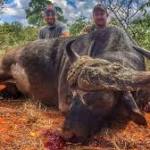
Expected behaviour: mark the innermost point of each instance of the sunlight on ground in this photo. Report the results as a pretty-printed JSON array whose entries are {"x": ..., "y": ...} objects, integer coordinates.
[{"x": 22, "y": 125}]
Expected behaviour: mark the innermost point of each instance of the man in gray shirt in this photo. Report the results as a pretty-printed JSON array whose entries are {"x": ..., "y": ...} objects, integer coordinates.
[{"x": 53, "y": 29}]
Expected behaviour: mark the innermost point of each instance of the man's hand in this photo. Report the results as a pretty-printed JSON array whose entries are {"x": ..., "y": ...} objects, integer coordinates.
[{"x": 65, "y": 34}]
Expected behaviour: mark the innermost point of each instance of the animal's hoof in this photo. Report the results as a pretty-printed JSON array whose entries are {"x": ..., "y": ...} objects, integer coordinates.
[{"x": 147, "y": 108}]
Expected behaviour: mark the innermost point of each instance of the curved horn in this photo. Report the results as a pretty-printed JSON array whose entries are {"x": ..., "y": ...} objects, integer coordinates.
[
  {"x": 143, "y": 51},
  {"x": 73, "y": 56},
  {"x": 97, "y": 78},
  {"x": 133, "y": 108},
  {"x": 91, "y": 48}
]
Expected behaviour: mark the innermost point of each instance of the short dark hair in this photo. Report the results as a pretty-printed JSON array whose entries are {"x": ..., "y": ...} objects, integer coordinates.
[{"x": 100, "y": 7}]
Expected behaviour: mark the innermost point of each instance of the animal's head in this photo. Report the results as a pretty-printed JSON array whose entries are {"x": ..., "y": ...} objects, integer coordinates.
[{"x": 97, "y": 86}]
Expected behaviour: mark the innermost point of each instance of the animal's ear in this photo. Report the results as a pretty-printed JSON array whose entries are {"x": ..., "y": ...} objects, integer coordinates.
[
  {"x": 133, "y": 108},
  {"x": 73, "y": 56}
]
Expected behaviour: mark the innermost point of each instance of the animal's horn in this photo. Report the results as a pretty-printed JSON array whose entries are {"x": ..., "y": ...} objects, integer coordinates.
[
  {"x": 143, "y": 51},
  {"x": 91, "y": 48},
  {"x": 133, "y": 109},
  {"x": 122, "y": 79},
  {"x": 73, "y": 56}
]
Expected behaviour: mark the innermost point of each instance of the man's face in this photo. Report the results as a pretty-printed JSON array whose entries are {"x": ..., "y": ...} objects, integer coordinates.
[
  {"x": 50, "y": 19},
  {"x": 100, "y": 18}
]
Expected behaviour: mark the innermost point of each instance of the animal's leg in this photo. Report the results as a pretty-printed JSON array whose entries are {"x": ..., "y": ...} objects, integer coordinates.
[
  {"x": 5, "y": 67},
  {"x": 7, "y": 85},
  {"x": 9, "y": 90},
  {"x": 133, "y": 109},
  {"x": 4, "y": 74}
]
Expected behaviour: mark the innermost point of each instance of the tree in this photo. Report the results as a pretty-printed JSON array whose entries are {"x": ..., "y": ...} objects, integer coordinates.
[
  {"x": 142, "y": 31},
  {"x": 77, "y": 26},
  {"x": 34, "y": 12},
  {"x": 15, "y": 34},
  {"x": 126, "y": 10}
]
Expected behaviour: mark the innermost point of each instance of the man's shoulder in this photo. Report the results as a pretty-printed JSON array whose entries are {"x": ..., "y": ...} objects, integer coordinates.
[{"x": 60, "y": 25}]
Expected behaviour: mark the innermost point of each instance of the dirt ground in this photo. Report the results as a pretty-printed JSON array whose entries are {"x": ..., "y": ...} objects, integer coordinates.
[{"x": 25, "y": 125}]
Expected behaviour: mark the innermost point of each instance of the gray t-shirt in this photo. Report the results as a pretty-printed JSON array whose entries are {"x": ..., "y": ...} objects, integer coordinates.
[{"x": 54, "y": 31}]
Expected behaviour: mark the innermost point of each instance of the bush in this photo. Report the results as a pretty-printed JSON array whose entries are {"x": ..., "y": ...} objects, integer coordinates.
[
  {"x": 12, "y": 35},
  {"x": 77, "y": 26}
]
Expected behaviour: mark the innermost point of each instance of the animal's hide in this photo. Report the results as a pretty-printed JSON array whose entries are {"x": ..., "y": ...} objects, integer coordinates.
[{"x": 112, "y": 44}]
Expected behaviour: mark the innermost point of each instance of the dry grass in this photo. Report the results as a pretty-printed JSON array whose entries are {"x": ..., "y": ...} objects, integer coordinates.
[{"x": 22, "y": 125}]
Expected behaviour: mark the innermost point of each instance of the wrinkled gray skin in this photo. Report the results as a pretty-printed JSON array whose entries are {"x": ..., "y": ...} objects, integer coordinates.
[{"x": 40, "y": 71}]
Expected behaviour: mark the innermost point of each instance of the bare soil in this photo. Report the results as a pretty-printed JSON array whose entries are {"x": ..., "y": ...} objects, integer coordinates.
[{"x": 24, "y": 126}]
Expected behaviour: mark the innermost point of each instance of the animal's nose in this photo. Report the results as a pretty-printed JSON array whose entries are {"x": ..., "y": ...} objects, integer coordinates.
[
  {"x": 68, "y": 134},
  {"x": 74, "y": 137}
]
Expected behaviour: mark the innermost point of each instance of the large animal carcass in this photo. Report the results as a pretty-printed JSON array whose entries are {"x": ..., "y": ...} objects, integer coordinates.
[{"x": 113, "y": 71}]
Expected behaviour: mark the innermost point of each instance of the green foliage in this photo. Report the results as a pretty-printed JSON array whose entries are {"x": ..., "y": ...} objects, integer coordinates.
[
  {"x": 77, "y": 26},
  {"x": 141, "y": 31},
  {"x": 34, "y": 12},
  {"x": 15, "y": 34}
]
